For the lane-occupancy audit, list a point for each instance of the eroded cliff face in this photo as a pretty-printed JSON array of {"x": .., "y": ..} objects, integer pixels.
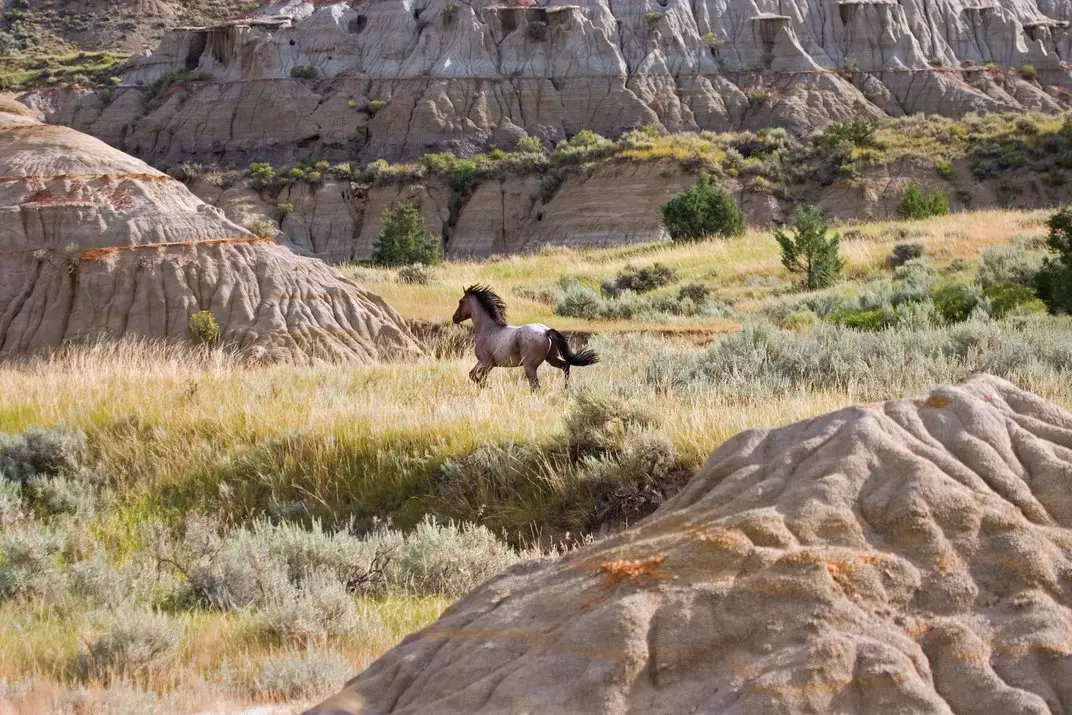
[
  {"x": 395, "y": 78},
  {"x": 611, "y": 204}
]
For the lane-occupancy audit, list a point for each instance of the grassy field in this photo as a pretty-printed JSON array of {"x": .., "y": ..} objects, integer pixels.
[
  {"x": 103, "y": 559},
  {"x": 745, "y": 270}
]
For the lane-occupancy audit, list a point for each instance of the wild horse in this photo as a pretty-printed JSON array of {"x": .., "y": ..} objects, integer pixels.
[{"x": 501, "y": 345}]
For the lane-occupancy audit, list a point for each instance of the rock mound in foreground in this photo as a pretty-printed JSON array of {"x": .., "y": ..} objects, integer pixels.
[
  {"x": 907, "y": 556},
  {"x": 95, "y": 243}
]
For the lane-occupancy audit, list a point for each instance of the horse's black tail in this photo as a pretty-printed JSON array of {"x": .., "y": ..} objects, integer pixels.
[{"x": 577, "y": 359}]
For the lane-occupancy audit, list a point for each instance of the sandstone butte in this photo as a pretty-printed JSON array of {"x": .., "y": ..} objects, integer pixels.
[
  {"x": 97, "y": 244},
  {"x": 907, "y": 556}
]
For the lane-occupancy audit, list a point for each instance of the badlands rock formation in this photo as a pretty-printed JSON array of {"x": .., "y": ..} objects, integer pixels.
[
  {"x": 340, "y": 221},
  {"x": 906, "y": 556},
  {"x": 97, "y": 244},
  {"x": 395, "y": 78}
]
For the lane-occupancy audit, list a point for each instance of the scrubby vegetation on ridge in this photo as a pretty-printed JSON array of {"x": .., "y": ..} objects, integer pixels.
[
  {"x": 33, "y": 31},
  {"x": 80, "y": 69},
  {"x": 946, "y": 157}
]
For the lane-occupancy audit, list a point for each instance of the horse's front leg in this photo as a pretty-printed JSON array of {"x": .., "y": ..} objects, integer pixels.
[{"x": 480, "y": 373}]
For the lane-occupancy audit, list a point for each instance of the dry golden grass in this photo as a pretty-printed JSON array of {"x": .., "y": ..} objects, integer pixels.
[
  {"x": 40, "y": 645},
  {"x": 160, "y": 418},
  {"x": 727, "y": 265},
  {"x": 168, "y": 423}
]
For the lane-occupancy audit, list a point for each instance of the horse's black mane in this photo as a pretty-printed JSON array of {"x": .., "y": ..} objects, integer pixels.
[{"x": 492, "y": 304}]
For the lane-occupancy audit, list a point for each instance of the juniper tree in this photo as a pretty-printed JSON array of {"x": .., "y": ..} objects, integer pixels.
[
  {"x": 809, "y": 251},
  {"x": 403, "y": 239},
  {"x": 1054, "y": 281}
]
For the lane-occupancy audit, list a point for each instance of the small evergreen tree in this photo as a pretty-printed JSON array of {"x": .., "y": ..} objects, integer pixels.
[
  {"x": 403, "y": 240},
  {"x": 1054, "y": 280},
  {"x": 700, "y": 211},
  {"x": 809, "y": 250}
]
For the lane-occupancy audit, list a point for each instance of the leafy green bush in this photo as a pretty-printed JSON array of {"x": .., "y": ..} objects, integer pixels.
[
  {"x": 1029, "y": 72},
  {"x": 856, "y": 133},
  {"x": 204, "y": 327},
  {"x": 1054, "y": 279},
  {"x": 711, "y": 40},
  {"x": 376, "y": 105},
  {"x": 653, "y": 17},
  {"x": 464, "y": 174},
  {"x": 757, "y": 96},
  {"x": 1009, "y": 298},
  {"x": 530, "y": 145},
  {"x": 304, "y": 72},
  {"x": 870, "y": 319},
  {"x": 916, "y": 204},
  {"x": 809, "y": 251},
  {"x": 701, "y": 211},
  {"x": 954, "y": 302},
  {"x": 441, "y": 163},
  {"x": 944, "y": 169},
  {"x": 403, "y": 239},
  {"x": 261, "y": 228},
  {"x": 261, "y": 176},
  {"x": 449, "y": 11}
]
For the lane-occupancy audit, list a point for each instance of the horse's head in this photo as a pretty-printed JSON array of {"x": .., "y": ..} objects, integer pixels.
[
  {"x": 464, "y": 312},
  {"x": 489, "y": 307}
]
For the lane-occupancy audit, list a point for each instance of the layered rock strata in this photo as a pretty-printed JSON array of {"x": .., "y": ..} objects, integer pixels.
[
  {"x": 97, "y": 245},
  {"x": 394, "y": 78}
]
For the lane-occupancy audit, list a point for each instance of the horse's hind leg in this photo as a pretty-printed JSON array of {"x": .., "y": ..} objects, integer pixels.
[
  {"x": 531, "y": 374},
  {"x": 555, "y": 361}
]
